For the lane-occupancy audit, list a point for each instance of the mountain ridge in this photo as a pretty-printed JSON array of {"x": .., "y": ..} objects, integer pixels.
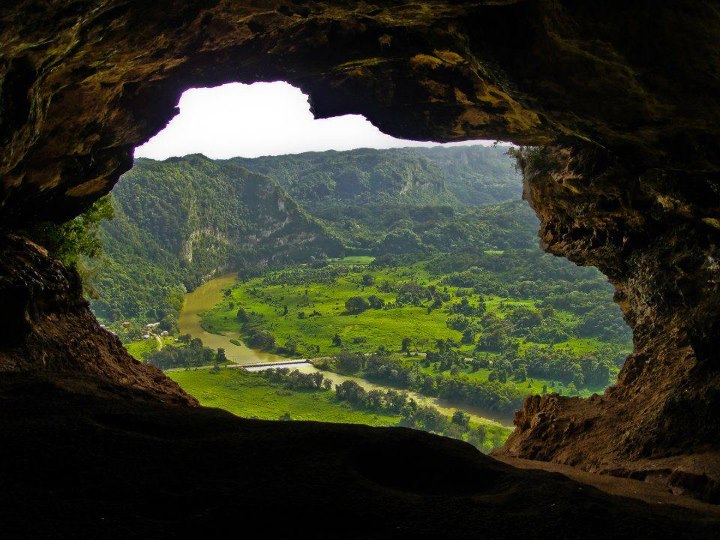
[{"x": 189, "y": 218}]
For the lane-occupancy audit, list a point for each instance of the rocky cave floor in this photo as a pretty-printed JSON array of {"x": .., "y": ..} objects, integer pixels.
[{"x": 88, "y": 461}]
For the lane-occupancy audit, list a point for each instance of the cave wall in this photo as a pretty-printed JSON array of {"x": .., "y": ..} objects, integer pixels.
[
  {"x": 658, "y": 244},
  {"x": 624, "y": 93}
]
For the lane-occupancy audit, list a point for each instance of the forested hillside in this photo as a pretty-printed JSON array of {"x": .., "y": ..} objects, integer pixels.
[
  {"x": 456, "y": 176},
  {"x": 443, "y": 289},
  {"x": 180, "y": 221},
  {"x": 399, "y": 200}
]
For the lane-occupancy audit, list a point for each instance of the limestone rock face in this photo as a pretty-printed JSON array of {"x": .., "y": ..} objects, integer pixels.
[
  {"x": 83, "y": 83},
  {"x": 659, "y": 247},
  {"x": 624, "y": 93},
  {"x": 47, "y": 329}
]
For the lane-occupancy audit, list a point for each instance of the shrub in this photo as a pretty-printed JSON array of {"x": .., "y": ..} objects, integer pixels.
[{"x": 356, "y": 304}]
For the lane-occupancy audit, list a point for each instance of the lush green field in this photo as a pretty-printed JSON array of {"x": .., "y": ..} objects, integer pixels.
[
  {"x": 530, "y": 387},
  {"x": 316, "y": 311},
  {"x": 249, "y": 395},
  {"x": 366, "y": 331},
  {"x": 140, "y": 349},
  {"x": 521, "y": 343}
]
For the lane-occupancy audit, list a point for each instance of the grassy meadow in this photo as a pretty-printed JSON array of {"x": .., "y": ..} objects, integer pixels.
[
  {"x": 249, "y": 395},
  {"x": 295, "y": 305},
  {"x": 316, "y": 311}
]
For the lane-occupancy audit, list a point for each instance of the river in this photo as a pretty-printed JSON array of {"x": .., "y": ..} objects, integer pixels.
[
  {"x": 204, "y": 298},
  {"x": 210, "y": 294}
]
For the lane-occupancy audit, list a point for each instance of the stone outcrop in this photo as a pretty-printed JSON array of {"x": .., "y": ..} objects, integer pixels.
[
  {"x": 659, "y": 247},
  {"x": 46, "y": 328},
  {"x": 624, "y": 94}
]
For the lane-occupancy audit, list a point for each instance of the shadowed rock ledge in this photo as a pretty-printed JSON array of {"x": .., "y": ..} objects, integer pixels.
[
  {"x": 46, "y": 328},
  {"x": 108, "y": 467},
  {"x": 624, "y": 94},
  {"x": 659, "y": 249}
]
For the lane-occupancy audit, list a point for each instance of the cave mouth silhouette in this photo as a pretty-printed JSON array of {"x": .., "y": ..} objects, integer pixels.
[
  {"x": 628, "y": 183},
  {"x": 211, "y": 115},
  {"x": 256, "y": 119}
]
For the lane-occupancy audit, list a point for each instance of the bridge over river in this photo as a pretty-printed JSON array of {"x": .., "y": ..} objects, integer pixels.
[{"x": 210, "y": 294}]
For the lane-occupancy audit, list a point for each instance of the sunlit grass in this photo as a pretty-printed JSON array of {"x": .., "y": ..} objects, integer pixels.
[
  {"x": 316, "y": 312},
  {"x": 249, "y": 395}
]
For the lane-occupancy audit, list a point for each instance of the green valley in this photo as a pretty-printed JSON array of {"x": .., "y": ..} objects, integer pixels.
[
  {"x": 410, "y": 278},
  {"x": 439, "y": 334}
]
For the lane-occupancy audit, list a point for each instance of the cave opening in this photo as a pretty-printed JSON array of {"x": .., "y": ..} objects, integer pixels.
[
  {"x": 622, "y": 101},
  {"x": 247, "y": 228}
]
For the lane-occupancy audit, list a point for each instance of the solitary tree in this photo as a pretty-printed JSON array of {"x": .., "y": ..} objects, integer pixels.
[
  {"x": 291, "y": 346},
  {"x": 461, "y": 418},
  {"x": 356, "y": 304},
  {"x": 481, "y": 435}
]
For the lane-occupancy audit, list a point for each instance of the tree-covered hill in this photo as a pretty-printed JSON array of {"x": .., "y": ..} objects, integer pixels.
[
  {"x": 456, "y": 176},
  {"x": 180, "y": 221}
]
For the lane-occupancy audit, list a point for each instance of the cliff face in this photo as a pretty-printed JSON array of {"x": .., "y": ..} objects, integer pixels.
[
  {"x": 180, "y": 221},
  {"x": 625, "y": 92},
  {"x": 458, "y": 176},
  {"x": 47, "y": 328},
  {"x": 658, "y": 246}
]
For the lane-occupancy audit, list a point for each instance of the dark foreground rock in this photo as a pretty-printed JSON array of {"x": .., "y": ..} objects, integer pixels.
[
  {"x": 78, "y": 466},
  {"x": 46, "y": 326},
  {"x": 625, "y": 93}
]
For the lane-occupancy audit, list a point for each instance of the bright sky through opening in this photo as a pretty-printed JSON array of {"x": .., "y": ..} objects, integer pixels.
[{"x": 261, "y": 119}]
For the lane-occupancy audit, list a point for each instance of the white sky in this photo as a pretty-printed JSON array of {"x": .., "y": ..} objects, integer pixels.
[{"x": 261, "y": 119}]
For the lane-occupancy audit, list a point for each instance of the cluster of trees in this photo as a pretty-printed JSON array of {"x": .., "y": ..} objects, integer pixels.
[
  {"x": 387, "y": 401},
  {"x": 424, "y": 417},
  {"x": 552, "y": 363},
  {"x": 77, "y": 240},
  {"x": 494, "y": 333},
  {"x": 192, "y": 354},
  {"x": 531, "y": 274},
  {"x": 296, "y": 380},
  {"x": 313, "y": 274},
  {"x": 413, "y": 293},
  {"x": 555, "y": 364},
  {"x": 382, "y": 368},
  {"x": 358, "y": 304},
  {"x": 551, "y": 286},
  {"x": 394, "y": 231},
  {"x": 254, "y": 334}
]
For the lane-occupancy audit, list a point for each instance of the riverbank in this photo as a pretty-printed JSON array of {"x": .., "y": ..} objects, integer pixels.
[
  {"x": 210, "y": 294},
  {"x": 205, "y": 298}
]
